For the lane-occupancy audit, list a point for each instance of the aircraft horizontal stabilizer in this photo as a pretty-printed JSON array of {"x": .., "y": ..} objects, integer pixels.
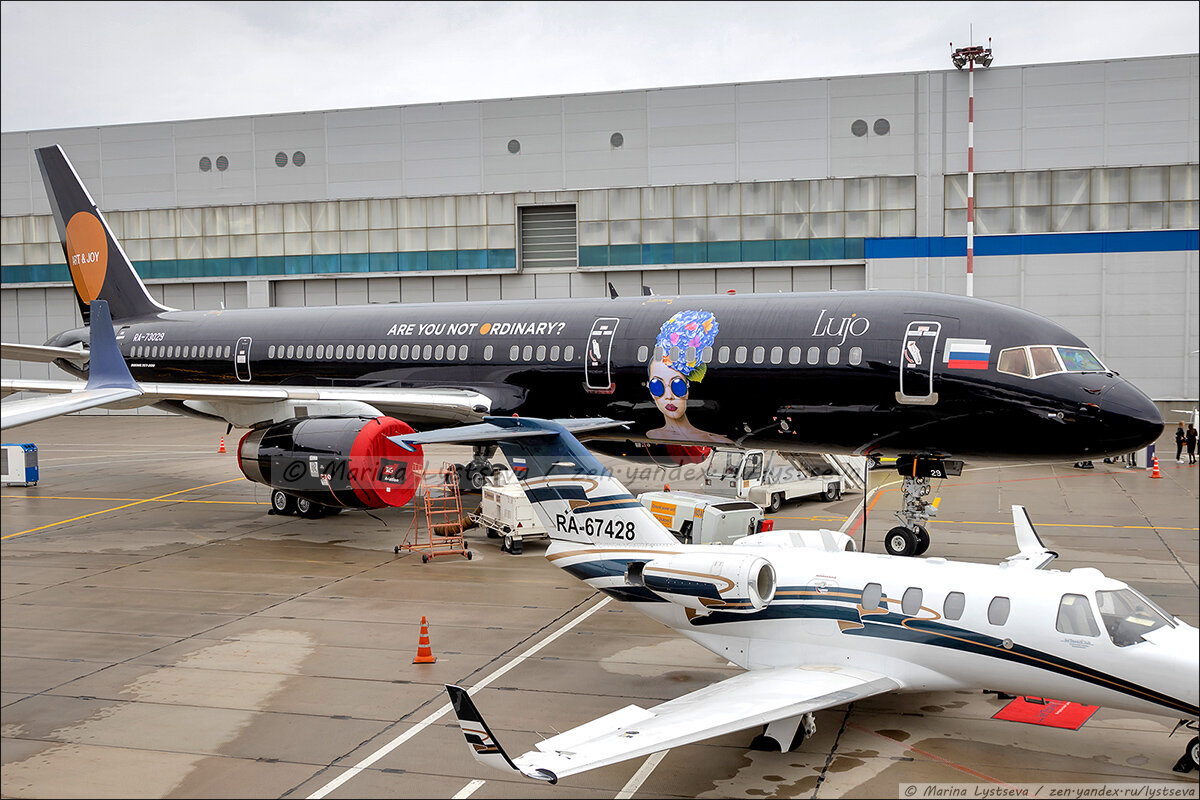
[
  {"x": 495, "y": 429},
  {"x": 1033, "y": 553},
  {"x": 43, "y": 354},
  {"x": 743, "y": 701}
]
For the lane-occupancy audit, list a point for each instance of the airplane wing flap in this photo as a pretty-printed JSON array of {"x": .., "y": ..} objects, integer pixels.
[
  {"x": 43, "y": 354},
  {"x": 753, "y": 698}
]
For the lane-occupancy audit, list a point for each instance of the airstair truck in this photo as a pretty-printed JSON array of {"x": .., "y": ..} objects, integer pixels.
[{"x": 757, "y": 476}]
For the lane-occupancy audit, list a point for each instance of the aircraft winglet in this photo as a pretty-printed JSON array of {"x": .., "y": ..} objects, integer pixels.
[
  {"x": 1033, "y": 552},
  {"x": 107, "y": 368},
  {"x": 479, "y": 737}
]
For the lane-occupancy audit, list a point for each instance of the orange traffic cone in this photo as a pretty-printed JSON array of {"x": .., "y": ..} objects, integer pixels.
[
  {"x": 424, "y": 654},
  {"x": 222, "y": 450},
  {"x": 1156, "y": 473}
]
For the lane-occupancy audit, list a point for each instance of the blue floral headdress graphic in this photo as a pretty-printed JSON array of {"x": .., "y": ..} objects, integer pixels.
[{"x": 689, "y": 332}]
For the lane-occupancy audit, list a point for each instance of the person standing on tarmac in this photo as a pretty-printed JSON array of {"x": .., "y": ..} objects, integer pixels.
[
  {"x": 1180, "y": 438},
  {"x": 1191, "y": 443}
]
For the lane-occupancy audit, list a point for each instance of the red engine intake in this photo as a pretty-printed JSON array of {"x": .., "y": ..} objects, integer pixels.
[{"x": 344, "y": 462}]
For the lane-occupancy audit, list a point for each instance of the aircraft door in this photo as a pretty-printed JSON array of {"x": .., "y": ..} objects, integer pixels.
[
  {"x": 597, "y": 366},
  {"x": 916, "y": 363},
  {"x": 241, "y": 359}
]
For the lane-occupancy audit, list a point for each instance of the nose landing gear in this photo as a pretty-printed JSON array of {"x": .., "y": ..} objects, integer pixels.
[{"x": 911, "y": 537}]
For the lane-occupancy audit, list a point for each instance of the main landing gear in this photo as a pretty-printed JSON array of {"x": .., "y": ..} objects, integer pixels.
[
  {"x": 911, "y": 537},
  {"x": 1190, "y": 759},
  {"x": 474, "y": 476},
  {"x": 285, "y": 505}
]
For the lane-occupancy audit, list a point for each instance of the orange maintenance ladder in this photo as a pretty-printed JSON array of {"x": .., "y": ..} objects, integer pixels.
[{"x": 444, "y": 520}]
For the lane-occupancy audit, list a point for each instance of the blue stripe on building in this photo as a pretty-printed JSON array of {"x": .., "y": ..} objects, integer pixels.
[{"x": 679, "y": 253}]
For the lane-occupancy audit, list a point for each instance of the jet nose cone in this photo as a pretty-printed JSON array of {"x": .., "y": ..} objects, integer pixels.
[{"x": 1129, "y": 419}]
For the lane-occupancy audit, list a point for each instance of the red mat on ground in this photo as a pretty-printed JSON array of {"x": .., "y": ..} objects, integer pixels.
[{"x": 1044, "y": 711}]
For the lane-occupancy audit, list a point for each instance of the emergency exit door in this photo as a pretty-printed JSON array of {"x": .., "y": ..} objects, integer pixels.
[
  {"x": 916, "y": 363},
  {"x": 241, "y": 359},
  {"x": 597, "y": 359}
]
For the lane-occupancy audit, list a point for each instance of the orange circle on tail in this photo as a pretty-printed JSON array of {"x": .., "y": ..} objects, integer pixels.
[{"x": 87, "y": 254}]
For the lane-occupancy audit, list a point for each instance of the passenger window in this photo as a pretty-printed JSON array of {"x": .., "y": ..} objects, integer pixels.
[
  {"x": 834, "y": 355},
  {"x": 910, "y": 604},
  {"x": 953, "y": 606},
  {"x": 1013, "y": 361},
  {"x": 403, "y": 351},
  {"x": 341, "y": 349},
  {"x": 1128, "y": 616},
  {"x": 706, "y": 354},
  {"x": 776, "y": 355},
  {"x": 487, "y": 352},
  {"x": 740, "y": 355},
  {"x": 759, "y": 354},
  {"x": 393, "y": 351},
  {"x": 794, "y": 355},
  {"x": 1044, "y": 361},
  {"x": 228, "y": 351},
  {"x": 814, "y": 355},
  {"x": 320, "y": 351},
  {"x": 723, "y": 355},
  {"x": 462, "y": 352},
  {"x": 437, "y": 352},
  {"x": 527, "y": 353},
  {"x": 872, "y": 593},
  {"x": 1075, "y": 617},
  {"x": 569, "y": 353},
  {"x": 998, "y": 610},
  {"x": 361, "y": 351},
  {"x": 271, "y": 351},
  {"x": 308, "y": 352},
  {"x": 291, "y": 351},
  {"x": 674, "y": 353},
  {"x": 541, "y": 352},
  {"x": 427, "y": 352},
  {"x": 643, "y": 354},
  {"x": 371, "y": 352},
  {"x": 855, "y": 357}
]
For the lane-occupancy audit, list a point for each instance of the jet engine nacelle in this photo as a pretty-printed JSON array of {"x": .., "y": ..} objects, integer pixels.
[
  {"x": 736, "y": 583},
  {"x": 343, "y": 462}
]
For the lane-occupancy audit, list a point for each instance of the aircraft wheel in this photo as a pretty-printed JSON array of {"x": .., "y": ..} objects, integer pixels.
[
  {"x": 900, "y": 542},
  {"x": 476, "y": 479},
  {"x": 308, "y": 509},
  {"x": 776, "y": 502},
  {"x": 1190, "y": 758},
  {"x": 922, "y": 540},
  {"x": 282, "y": 503}
]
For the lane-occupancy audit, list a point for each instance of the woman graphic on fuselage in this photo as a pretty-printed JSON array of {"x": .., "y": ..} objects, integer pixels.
[{"x": 674, "y": 365}]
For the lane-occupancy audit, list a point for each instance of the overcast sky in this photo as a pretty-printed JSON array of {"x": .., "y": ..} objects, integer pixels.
[{"x": 67, "y": 64}]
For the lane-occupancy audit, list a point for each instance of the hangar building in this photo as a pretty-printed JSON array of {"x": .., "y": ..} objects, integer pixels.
[{"x": 1086, "y": 190}]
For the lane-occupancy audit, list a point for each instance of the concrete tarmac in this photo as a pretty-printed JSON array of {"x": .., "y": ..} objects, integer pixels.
[{"x": 163, "y": 636}]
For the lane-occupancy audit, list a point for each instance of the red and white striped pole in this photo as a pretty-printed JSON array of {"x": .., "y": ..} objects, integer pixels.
[{"x": 966, "y": 56}]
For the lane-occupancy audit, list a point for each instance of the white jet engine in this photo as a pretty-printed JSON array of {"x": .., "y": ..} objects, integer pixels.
[{"x": 735, "y": 583}]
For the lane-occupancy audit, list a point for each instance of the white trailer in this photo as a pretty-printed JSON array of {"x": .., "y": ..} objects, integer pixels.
[
  {"x": 703, "y": 519},
  {"x": 756, "y": 476},
  {"x": 505, "y": 512}
]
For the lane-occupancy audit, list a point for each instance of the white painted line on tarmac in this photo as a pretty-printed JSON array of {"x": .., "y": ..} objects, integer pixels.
[
  {"x": 468, "y": 790},
  {"x": 641, "y": 775},
  {"x": 435, "y": 716}
]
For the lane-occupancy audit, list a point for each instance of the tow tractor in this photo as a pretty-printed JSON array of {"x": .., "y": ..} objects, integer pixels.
[{"x": 756, "y": 476}]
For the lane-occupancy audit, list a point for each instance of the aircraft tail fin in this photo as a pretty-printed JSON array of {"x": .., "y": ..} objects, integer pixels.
[
  {"x": 484, "y": 747},
  {"x": 574, "y": 496},
  {"x": 1033, "y": 553},
  {"x": 99, "y": 267}
]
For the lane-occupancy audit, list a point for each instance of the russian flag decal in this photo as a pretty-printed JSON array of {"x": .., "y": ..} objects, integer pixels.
[{"x": 967, "y": 353}]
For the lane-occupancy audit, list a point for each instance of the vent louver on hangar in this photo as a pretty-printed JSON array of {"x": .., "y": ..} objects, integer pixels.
[{"x": 549, "y": 236}]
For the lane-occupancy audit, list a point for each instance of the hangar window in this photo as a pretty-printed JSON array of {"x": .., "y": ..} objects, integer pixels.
[
  {"x": 437, "y": 352},
  {"x": 298, "y": 158},
  {"x": 554, "y": 351},
  {"x": 222, "y": 163},
  {"x": 281, "y": 159},
  {"x": 569, "y": 353},
  {"x": 814, "y": 355},
  {"x": 998, "y": 610},
  {"x": 859, "y": 127},
  {"x": 541, "y": 352},
  {"x": 872, "y": 593},
  {"x": 855, "y": 356},
  {"x": 617, "y": 140},
  {"x": 954, "y": 604},
  {"x": 794, "y": 354},
  {"x": 882, "y": 127},
  {"x": 723, "y": 355},
  {"x": 487, "y": 353},
  {"x": 910, "y": 603},
  {"x": 1075, "y": 617},
  {"x": 205, "y": 164}
]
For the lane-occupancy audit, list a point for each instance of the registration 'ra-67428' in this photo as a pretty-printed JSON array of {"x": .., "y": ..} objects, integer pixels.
[{"x": 591, "y": 526}]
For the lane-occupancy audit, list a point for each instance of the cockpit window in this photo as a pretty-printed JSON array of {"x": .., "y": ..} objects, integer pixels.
[
  {"x": 1079, "y": 359},
  {"x": 1128, "y": 616},
  {"x": 1044, "y": 361},
  {"x": 1014, "y": 361}
]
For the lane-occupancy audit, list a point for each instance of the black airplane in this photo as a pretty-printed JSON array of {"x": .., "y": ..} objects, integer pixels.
[{"x": 925, "y": 377}]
